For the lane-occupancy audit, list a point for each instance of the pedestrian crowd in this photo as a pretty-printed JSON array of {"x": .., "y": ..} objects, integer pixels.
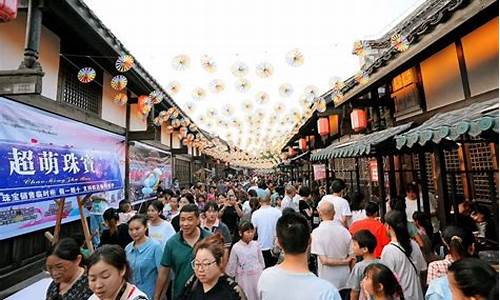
[{"x": 268, "y": 238}]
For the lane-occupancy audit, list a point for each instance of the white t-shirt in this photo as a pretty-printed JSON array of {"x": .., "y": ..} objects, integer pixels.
[
  {"x": 342, "y": 208},
  {"x": 265, "y": 219},
  {"x": 333, "y": 240},
  {"x": 161, "y": 233},
  {"x": 276, "y": 283},
  {"x": 131, "y": 293},
  {"x": 401, "y": 266},
  {"x": 291, "y": 202},
  {"x": 411, "y": 207}
]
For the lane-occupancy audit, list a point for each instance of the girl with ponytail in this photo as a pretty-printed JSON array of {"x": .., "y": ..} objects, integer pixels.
[
  {"x": 460, "y": 244},
  {"x": 403, "y": 256},
  {"x": 380, "y": 283}
]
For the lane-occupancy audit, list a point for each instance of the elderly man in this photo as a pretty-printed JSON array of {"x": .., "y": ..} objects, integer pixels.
[{"x": 331, "y": 242}]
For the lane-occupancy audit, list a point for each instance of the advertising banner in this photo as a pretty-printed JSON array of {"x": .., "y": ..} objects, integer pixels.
[
  {"x": 44, "y": 157},
  {"x": 149, "y": 169},
  {"x": 319, "y": 172}
]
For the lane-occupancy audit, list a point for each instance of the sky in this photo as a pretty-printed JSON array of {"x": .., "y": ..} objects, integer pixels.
[{"x": 257, "y": 33}]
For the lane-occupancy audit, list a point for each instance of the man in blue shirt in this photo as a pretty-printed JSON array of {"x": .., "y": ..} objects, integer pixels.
[{"x": 178, "y": 252}]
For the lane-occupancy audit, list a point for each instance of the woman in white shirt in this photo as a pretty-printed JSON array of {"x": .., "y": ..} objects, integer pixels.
[{"x": 158, "y": 229}]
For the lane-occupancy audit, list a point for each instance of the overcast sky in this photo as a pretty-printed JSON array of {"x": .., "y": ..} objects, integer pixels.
[{"x": 252, "y": 32}]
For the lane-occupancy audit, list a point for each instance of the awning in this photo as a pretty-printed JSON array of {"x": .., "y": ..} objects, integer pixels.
[
  {"x": 472, "y": 120},
  {"x": 360, "y": 145},
  {"x": 303, "y": 155}
]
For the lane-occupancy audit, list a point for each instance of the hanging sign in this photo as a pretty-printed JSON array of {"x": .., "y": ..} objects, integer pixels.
[
  {"x": 372, "y": 167},
  {"x": 319, "y": 172}
]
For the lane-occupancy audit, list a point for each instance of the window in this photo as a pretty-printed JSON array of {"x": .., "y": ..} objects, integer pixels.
[
  {"x": 405, "y": 93},
  {"x": 87, "y": 96}
]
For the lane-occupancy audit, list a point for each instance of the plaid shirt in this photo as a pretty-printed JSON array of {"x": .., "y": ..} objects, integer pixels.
[{"x": 438, "y": 268}]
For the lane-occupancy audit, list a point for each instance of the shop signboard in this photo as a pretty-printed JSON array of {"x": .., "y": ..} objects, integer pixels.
[
  {"x": 150, "y": 168},
  {"x": 319, "y": 172},
  {"x": 44, "y": 157}
]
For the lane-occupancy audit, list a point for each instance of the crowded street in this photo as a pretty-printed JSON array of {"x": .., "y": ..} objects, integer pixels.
[{"x": 262, "y": 150}]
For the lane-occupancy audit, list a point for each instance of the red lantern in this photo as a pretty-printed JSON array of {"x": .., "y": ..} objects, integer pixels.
[
  {"x": 358, "y": 120},
  {"x": 303, "y": 144},
  {"x": 8, "y": 10},
  {"x": 323, "y": 126},
  {"x": 333, "y": 121}
]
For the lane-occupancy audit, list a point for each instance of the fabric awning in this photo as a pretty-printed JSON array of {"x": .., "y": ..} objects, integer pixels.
[
  {"x": 472, "y": 120},
  {"x": 360, "y": 145}
]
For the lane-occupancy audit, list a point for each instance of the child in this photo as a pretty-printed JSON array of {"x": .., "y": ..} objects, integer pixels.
[
  {"x": 126, "y": 211},
  {"x": 380, "y": 283},
  {"x": 246, "y": 261},
  {"x": 363, "y": 245}
]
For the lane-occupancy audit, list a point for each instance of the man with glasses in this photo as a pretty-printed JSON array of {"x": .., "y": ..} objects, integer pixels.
[{"x": 178, "y": 252}]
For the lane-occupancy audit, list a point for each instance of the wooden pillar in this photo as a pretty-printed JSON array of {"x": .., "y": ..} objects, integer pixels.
[
  {"x": 381, "y": 184},
  {"x": 423, "y": 183},
  {"x": 327, "y": 179},
  {"x": 392, "y": 178},
  {"x": 442, "y": 185},
  {"x": 358, "y": 187}
]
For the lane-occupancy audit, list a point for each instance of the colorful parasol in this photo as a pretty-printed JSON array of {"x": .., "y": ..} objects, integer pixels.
[
  {"x": 173, "y": 87},
  {"x": 119, "y": 82},
  {"x": 286, "y": 90},
  {"x": 242, "y": 85},
  {"x": 311, "y": 92},
  {"x": 86, "y": 75},
  {"x": 400, "y": 42},
  {"x": 239, "y": 69},
  {"x": 216, "y": 86},
  {"x": 181, "y": 62},
  {"x": 295, "y": 58},
  {"x": 262, "y": 97},
  {"x": 124, "y": 63},
  {"x": 199, "y": 93},
  {"x": 120, "y": 98},
  {"x": 264, "y": 70},
  {"x": 156, "y": 97}
]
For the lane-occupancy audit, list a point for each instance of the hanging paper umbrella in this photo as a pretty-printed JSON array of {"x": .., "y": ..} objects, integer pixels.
[
  {"x": 208, "y": 63},
  {"x": 400, "y": 42},
  {"x": 295, "y": 58},
  {"x": 185, "y": 122},
  {"x": 242, "y": 85},
  {"x": 189, "y": 107},
  {"x": 120, "y": 98},
  {"x": 212, "y": 112},
  {"x": 265, "y": 70},
  {"x": 156, "y": 97},
  {"x": 158, "y": 121},
  {"x": 193, "y": 127},
  {"x": 320, "y": 104},
  {"x": 286, "y": 90},
  {"x": 199, "y": 93},
  {"x": 119, "y": 82},
  {"x": 239, "y": 69},
  {"x": 227, "y": 110},
  {"x": 361, "y": 77},
  {"x": 279, "y": 107},
  {"x": 124, "y": 63},
  {"x": 201, "y": 119},
  {"x": 333, "y": 80},
  {"x": 337, "y": 99},
  {"x": 86, "y": 75},
  {"x": 174, "y": 114},
  {"x": 181, "y": 62},
  {"x": 144, "y": 105},
  {"x": 173, "y": 87},
  {"x": 176, "y": 123},
  {"x": 262, "y": 97},
  {"x": 247, "y": 105},
  {"x": 339, "y": 85},
  {"x": 304, "y": 102},
  {"x": 311, "y": 92},
  {"x": 216, "y": 86},
  {"x": 359, "y": 48},
  {"x": 164, "y": 115}
]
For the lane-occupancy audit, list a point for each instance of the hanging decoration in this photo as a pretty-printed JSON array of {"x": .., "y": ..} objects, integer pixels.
[
  {"x": 239, "y": 69},
  {"x": 119, "y": 82},
  {"x": 176, "y": 123},
  {"x": 120, "y": 98},
  {"x": 303, "y": 144},
  {"x": 216, "y": 86},
  {"x": 323, "y": 129},
  {"x": 337, "y": 99},
  {"x": 86, "y": 75},
  {"x": 361, "y": 77},
  {"x": 262, "y": 97},
  {"x": 144, "y": 105},
  {"x": 124, "y": 63},
  {"x": 227, "y": 110},
  {"x": 212, "y": 112},
  {"x": 189, "y": 107},
  {"x": 247, "y": 105},
  {"x": 181, "y": 62},
  {"x": 156, "y": 97},
  {"x": 208, "y": 63},
  {"x": 359, "y": 120},
  {"x": 320, "y": 104},
  {"x": 399, "y": 42},
  {"x": 264, "y": 70},
  {"x": 311, "y": 92},
  {"x": 286, "y": 90},
  {"x": 199, "y": 93},
  {"x": 333, "y": 122},
  {"x": 359, "y": 48},
  {"x": 173, "y": 87},
  {"x": 295, "y": 58},
  {"x": 242, "y": 85},
  {"x": 157, "y": 121}
]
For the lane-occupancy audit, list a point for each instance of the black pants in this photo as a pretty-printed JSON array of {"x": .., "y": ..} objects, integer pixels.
[{"x": 269, "y": 259}]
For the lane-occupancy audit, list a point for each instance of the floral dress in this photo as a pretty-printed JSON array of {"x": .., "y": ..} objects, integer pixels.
[{"x": 79, "y": 290}]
